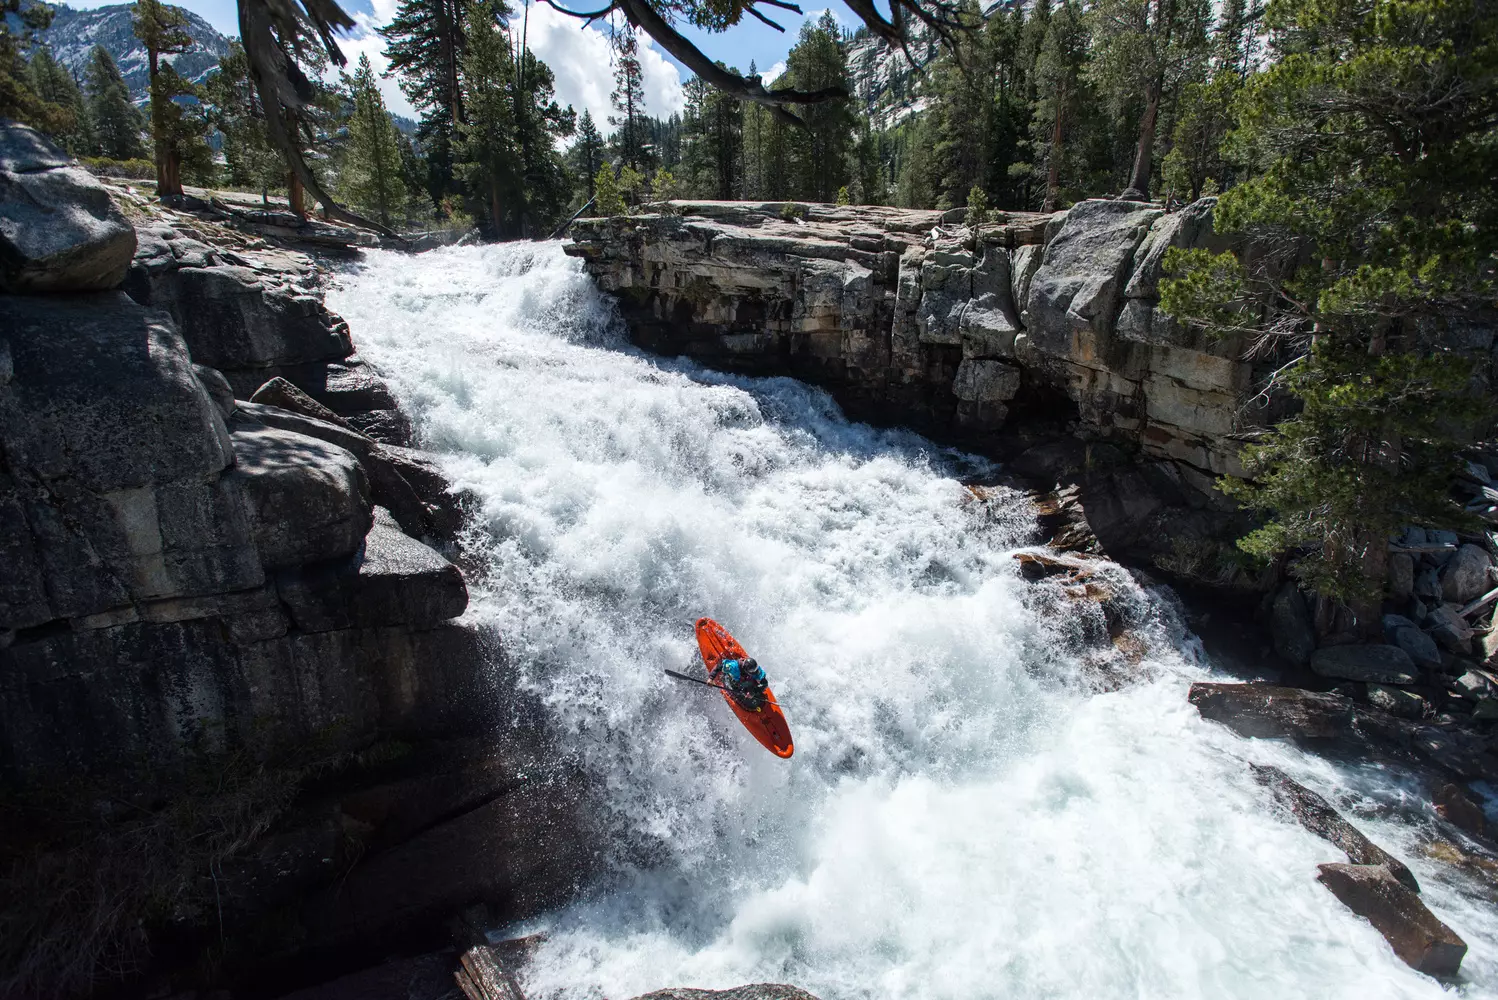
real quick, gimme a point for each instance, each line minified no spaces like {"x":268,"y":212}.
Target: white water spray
{"x":966,"y":816}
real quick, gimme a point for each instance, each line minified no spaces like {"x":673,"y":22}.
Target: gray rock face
{"x":1465,"y":576}
{"x":59,"y":230}
{"x":103,"y":392}
{"x":1267,"y":711}
{"x":1421,"y":648}
{"x":1078,"y":290}
{"x":1401,"y":575}
{"x":309,"y":500}
{"x":1449,"y":628}
{"x":1290,"y":625}
{"x":1416,"y":935}
{"x":394,"y":580}
{"x":1375,"y":664}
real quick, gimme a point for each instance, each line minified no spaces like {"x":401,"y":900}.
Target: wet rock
{"x":1465,"y":576}
{"x":1290,"y":625}
{"x":1401,"y":575}
{"x":1457,"y":808}
{"x":385,"y":426}
{"x":1398,"y":701}
{"x":393,"y":580}
{"x":1375,"y":664}
{"x":759,"y":991}
{"x":309,"y":499}
{"x":1416,"y":935}
{"x":1318,"y":816}
{"x":59,"y":229}
{"x":1269,"y":711}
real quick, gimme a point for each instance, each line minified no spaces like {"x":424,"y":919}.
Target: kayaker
{"x":746,"y":680}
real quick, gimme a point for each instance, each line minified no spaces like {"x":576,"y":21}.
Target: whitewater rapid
{"x":970,"y":813}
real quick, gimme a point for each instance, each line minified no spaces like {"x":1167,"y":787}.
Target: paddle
{"x":696,"y":680}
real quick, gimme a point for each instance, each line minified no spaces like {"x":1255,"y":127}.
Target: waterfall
{"x":986,"y":800}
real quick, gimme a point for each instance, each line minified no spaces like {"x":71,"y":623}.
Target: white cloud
{"x":364,"y":41}
{"x":582,"y":61}
{"x":770,"y":75}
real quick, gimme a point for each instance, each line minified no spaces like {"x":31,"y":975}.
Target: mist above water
{"x":970,"y":813}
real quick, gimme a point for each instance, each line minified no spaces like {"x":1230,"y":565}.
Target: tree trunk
{"x":1139,"y":179}
{"x":295,"y":195}
{"x":1053,"y":167}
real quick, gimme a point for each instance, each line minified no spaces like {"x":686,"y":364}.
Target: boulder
{"x":1465,"y":575}
{"x":59,"y":229}
{"x":1268,"y":711}
{"x":1428,"y":584}
{"x":1375,"y":664}
{"x":281,"y":393}
{"x":1457,"y":808}
{"x":1449,"y":628}
{"x":1476,"y":686}
{"x":1290,"y":625}
{"x":1416,"y":935}
{"x":1397,"y":701}
{"x":1402,"y":632}
{"x":389,"y":487}
{"x":1401,"y":575}
{"x":218,"y":389}
{"x":309,"y":499}
{"x":393,"y":580}
{"x":1318,"y":816}
{"x":385,"y":426}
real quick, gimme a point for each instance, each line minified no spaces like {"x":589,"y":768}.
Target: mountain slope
{"x":74,"y":33}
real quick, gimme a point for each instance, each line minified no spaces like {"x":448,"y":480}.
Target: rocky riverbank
{"x":243,"y":730}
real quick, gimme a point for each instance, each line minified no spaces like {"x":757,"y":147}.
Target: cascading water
{"x":968,"y":813}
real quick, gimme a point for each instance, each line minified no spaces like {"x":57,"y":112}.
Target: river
{"x":970,"y":812}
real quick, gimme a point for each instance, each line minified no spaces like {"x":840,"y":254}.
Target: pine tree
{"x":18,"y":99}
{"x":54,"y":84}
{"x":609,"y":201}
{"x":1401,"y":215}
{"x":712,"y":140}
{"x":425,"y":44}
{"x":116,"y":122}
{"x":160,"y":28}
{"x":630,"y":130}
{"x":183,"y":129}
{"x":959,"y":120}
{"x":820,"y":155}
{"x":587,"y":154}
{"x":371,"y":178}
{"x":1061,"y":91}
{"x":486,"y":154}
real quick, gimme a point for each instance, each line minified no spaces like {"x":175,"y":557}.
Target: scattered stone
{"x":1416,"y":935}
{"x":59,"y":229}
{"x":1455,"y":807}
{"x":1290,"y":625}
{"x":1376,"y":664}
{"x":1465,"y":575}
{"x":1405,"y":634}
{"x":1398,"y":701}
{"x":1268,"y":711}
{"x":1318,"y":816}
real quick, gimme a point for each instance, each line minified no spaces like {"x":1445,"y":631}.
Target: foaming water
{"x":968,"y":814}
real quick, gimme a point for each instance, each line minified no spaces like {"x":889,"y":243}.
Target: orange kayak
{"x":766,"y":723}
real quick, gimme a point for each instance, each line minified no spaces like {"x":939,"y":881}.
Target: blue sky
{"x":580,"y":58}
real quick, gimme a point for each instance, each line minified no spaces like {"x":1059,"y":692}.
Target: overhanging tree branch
{"x":268,"y":29}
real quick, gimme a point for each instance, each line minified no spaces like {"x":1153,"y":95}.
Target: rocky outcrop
{"x":184,"y":573}
{"x":963,"y":332}
{"x":59,"y":229}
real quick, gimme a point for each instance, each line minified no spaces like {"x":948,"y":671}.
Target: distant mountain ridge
{"x":74,"y":33}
